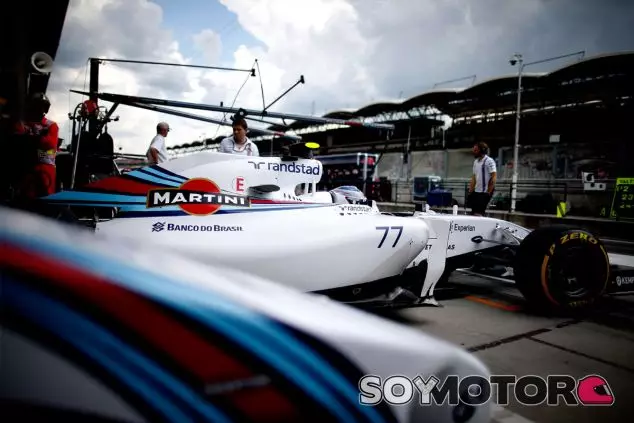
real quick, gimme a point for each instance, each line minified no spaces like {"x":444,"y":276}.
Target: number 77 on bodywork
{"x":395,"y":231}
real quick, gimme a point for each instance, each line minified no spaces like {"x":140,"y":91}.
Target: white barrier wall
{"x":551,"y":161}
{"x":444,"y":163}
{"x":542,"y":162}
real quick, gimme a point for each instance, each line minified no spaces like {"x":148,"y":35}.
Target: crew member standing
{"x":483,"y":179}
{"x":157,"y":151}
{"x":239,"y":143}
{"x":40,"y":179}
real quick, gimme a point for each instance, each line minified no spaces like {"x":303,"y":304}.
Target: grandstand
{"x":574,"y":119}
{"x":588,"y":101}
{"x":580,"y":102}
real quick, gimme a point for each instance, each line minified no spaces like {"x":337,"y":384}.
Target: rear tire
{"x":560,"y":267}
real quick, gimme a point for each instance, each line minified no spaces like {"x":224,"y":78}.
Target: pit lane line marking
{"x":588,"y":356}
{"x":493,"y":303}
{"x":485,"y":276}
{"x":519,"y":336}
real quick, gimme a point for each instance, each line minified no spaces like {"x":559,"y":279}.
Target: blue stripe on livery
{"x":167,"y":178}
{"x":170,"y":211}
{"x":96,"y":197}
{"x":131,"y":205}
{"x":167,"y":173}
{"x":245,"y":327}
{"x":146,"y":378}
{"x":151,"y":213}
{"x":137,"y":204}
{"x":145,"y":177}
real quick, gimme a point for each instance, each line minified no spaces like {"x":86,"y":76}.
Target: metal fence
{"x":533,"y":196}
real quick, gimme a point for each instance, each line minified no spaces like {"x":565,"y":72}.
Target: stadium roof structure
{"x":498,"y":94}
{"x":340,"y":114}
{"x":590,"y":79}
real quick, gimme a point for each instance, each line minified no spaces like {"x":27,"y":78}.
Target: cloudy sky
{"x":351,"y":52}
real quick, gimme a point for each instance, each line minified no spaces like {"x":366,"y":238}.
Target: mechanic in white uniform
{"x":157,"y":152}
{"x":483,"y":179}
{"x":239,"y":143}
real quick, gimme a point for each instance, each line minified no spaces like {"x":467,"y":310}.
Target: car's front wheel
{"x":559,"y":267}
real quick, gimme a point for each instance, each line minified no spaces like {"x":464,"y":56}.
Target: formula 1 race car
{"x":265,"y":216}
{"x":97,"y":329}
{"x":557,"y":267}
{"x":248,"y":212}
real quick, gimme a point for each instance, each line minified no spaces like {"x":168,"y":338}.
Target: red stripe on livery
{"x":266,"y":201}
{"x":200,"y":358}
{"x":117,"y":184}
{"x":205,"y":361}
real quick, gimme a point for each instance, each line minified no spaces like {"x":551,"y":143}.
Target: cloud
{"x":320,"y":39}
{"x":367,"y":50}
{"x":133,"y":29}
{"x":433,"y":41}
{"x":209,"y":43}
{"x":350,"y":52}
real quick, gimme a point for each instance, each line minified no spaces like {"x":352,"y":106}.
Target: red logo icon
{"x":200,"y":185}
{"x":238,"y":184}
{"x":594,"y":390}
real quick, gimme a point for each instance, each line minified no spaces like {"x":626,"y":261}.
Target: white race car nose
{"x":419,"y":230}
{"x":415,"y":233}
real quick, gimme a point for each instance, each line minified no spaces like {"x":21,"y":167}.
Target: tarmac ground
{"x":491,"y":320}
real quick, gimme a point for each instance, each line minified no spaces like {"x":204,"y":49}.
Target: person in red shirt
{"x":40,"y":179}
{"x":89,"y":108}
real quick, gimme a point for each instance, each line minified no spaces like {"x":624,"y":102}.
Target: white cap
{"x":163,"y":125}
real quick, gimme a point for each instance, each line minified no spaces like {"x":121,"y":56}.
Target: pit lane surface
{"x":491,"y":320}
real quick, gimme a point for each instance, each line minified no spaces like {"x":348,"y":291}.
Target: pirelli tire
{"x":561,"y":268}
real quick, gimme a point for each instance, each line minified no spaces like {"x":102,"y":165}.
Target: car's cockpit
{"x":347,"y":194}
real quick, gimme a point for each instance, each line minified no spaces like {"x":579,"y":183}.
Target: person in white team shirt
{"x":157,"y":152}
{"x":483,"y":179}
{"x":239,"y":143}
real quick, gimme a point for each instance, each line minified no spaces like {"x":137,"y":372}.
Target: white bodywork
{"x":306,"y":241}
{"x":377,"y":346}
{"x":313,"y":241}
{"x":451,"y":236}
{"x":312,"y":248}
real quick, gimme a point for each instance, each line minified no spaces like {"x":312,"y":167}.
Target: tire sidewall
{"x":599,"y":268}
{"x":542,"y":248}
